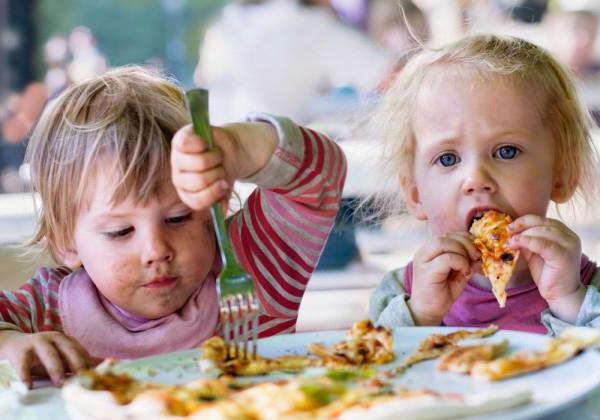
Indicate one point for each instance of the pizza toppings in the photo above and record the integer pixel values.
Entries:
(498, 261)
(216, 360)
(365, 343)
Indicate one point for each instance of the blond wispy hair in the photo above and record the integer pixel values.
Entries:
(128, 115)
(485, 56)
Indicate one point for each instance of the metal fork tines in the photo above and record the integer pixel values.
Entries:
(239, 315)
(239, 306)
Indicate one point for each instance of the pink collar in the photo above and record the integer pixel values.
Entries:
(107, 331)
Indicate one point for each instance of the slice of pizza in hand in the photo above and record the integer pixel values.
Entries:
(498, 261)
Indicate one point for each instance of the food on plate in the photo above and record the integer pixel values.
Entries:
(216, 360)
(364, 344)
(95, 395)
(437, 344)
(570, 343)
(491, 232)
(461, 359)
(350, 390)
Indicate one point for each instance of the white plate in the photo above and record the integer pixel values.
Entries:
(553, 388)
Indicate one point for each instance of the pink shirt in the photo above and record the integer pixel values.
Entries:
(477, 307)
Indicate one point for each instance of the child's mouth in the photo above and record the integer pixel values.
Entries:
(161, 282)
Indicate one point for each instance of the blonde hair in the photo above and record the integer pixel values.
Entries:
(486, 56)
(130, 115)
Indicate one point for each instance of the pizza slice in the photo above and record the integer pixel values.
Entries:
(215, 361)
(364, 344)
(461, 359)
(498, 261)
(437, 344)
(570, 343)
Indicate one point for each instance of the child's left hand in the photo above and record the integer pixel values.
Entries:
(553, 253)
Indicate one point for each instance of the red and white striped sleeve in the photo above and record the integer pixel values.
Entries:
(34, 306)
(280, 233)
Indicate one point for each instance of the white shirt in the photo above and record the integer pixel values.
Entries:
(277, 57)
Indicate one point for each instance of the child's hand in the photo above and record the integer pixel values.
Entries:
(441, 268)
(553, 253)
(50, 354)
(203, 177)
(199, 174)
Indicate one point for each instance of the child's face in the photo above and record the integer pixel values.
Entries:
(479, 145)
(147, 259)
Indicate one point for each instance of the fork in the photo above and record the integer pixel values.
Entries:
(238, 304)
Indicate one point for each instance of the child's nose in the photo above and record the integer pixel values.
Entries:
(157, 250)
(478, 179)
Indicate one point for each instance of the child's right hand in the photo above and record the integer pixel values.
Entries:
(51, 354)
(441, 269)
(203, 177)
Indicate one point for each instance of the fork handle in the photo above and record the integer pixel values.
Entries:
(198, 106)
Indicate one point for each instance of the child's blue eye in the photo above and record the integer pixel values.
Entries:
(447, 159)
(119, 233)
(179, 219)
(507, 152)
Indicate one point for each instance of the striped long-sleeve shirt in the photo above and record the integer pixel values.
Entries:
(278, 235)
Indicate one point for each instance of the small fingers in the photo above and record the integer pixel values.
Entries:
(467, 241)
(565, 239)
(193, 182)
(72, 353)
(186, 162)
(530, 220)
(204, 199)
(454, 243)
(186, 140)
(23, 365)
(51, 359)
(454, 262)
(445, 267)
(538, 245)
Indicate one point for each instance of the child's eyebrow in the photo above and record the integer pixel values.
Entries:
(439, 144)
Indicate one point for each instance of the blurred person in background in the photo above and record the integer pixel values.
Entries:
(571, 37)
(56, 58)
(18, 114)
(68, 59)
(280, 55)
(399, 26)
(86, 59)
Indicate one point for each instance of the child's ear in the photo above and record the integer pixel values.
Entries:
(71, 259)
(412, 198)
(564, 186)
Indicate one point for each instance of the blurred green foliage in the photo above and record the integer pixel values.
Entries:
(132, 31)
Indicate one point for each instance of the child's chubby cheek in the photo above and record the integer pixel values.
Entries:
(441, 225)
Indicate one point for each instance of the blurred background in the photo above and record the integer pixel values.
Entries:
(322, 62)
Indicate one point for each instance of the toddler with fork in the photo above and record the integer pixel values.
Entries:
(126, 188)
